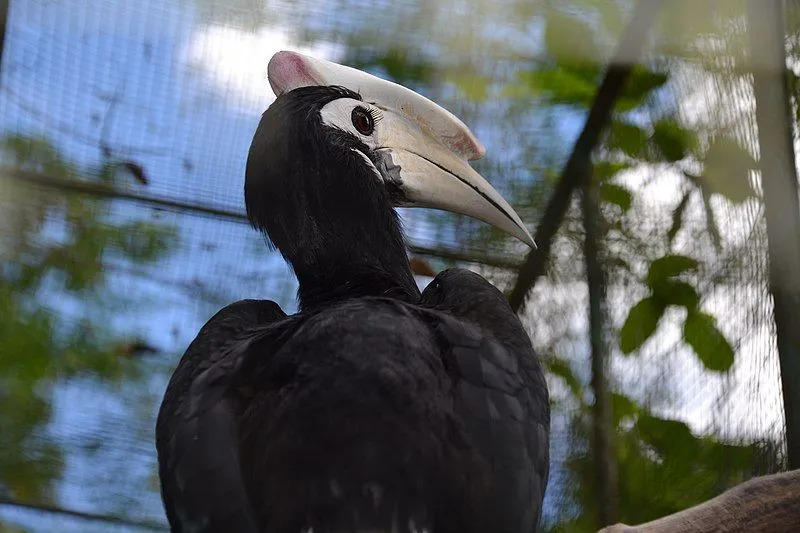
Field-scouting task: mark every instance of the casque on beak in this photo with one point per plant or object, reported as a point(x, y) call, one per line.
point(422, 148)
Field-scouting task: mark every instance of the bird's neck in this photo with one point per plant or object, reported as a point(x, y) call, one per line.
point(351, 282)
point(357, 261)
point(327, 212)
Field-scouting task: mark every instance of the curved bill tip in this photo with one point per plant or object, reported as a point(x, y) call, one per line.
point(527, 238)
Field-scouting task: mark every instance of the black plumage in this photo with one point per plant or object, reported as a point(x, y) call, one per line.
point(375, 408)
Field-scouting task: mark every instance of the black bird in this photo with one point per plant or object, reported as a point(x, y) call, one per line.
point(375, 408)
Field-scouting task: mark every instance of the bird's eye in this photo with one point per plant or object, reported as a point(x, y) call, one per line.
point(363, 121)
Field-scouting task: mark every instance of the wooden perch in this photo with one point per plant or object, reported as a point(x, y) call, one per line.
point(768, 504)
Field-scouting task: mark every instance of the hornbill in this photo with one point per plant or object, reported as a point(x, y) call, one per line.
point(375, 407)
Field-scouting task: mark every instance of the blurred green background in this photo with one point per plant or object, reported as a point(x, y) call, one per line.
point(124, 129)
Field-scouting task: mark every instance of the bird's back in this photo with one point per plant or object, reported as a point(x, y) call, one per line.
point(357, 429)
point(377, 415)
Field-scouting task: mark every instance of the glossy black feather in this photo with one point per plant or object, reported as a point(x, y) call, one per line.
point(196, 430)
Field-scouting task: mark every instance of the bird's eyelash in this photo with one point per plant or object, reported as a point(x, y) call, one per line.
point(376, 114)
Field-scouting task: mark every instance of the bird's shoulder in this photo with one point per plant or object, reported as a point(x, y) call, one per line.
point(501, 395)
point(221, 343)
point(489, 344)
point(196, 429)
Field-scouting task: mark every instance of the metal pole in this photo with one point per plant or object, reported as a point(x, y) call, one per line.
point(779, 182)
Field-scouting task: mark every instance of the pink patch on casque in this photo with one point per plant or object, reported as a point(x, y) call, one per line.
point(465, 143)
point(287, 71)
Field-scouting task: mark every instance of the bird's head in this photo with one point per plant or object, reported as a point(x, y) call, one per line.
point(339, 148)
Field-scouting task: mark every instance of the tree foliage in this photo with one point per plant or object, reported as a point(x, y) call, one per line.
point(54, 248)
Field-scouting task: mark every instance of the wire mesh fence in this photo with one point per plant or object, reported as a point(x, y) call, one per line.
point(125, 129)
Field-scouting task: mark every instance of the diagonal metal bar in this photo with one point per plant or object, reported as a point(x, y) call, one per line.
point(627, 54)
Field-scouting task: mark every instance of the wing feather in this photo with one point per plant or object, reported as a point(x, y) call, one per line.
point(196, 431)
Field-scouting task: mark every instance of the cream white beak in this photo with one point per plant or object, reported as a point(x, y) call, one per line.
point(423, 147)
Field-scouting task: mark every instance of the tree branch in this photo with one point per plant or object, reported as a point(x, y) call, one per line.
point(768, 504)
point(627, 54)
point(104, 190)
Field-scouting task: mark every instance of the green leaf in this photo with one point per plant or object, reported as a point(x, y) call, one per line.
point(664, 434)
point(727, 170)
point(402, 67)
point(677, 217)
point(629, 138)
point(569, 39)
point(641, 323)
point(672, 140)
point(143, 241)
point(616, 194)
point(604, 170)
point(641, 83)
point(612, 17)
point(473, 86)
point(561, 368)
point(561, 85)
point(680, 293)
point(622, 407)
point(701, 333)
point(669, 266)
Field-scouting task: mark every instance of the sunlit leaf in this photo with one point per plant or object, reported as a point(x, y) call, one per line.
point(641, 84)
point(673, 141)
point(679, 293)
point(629, 138)
point(612, 17)
point(642, 321)
point(687, 21)
point(665, 434)
point(474, 87)
point(603, 170)
point(569, 39)
point(623, 406)
point(669, 266)
point(616, 194)
point(398, 63)
point(560, 85)
point(562, 369)
point(143, 241)
point(34, 153)
point(712, 348)
point(727, 170)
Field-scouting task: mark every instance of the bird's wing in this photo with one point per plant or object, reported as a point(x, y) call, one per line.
point(196, 433)
point(502, 400)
